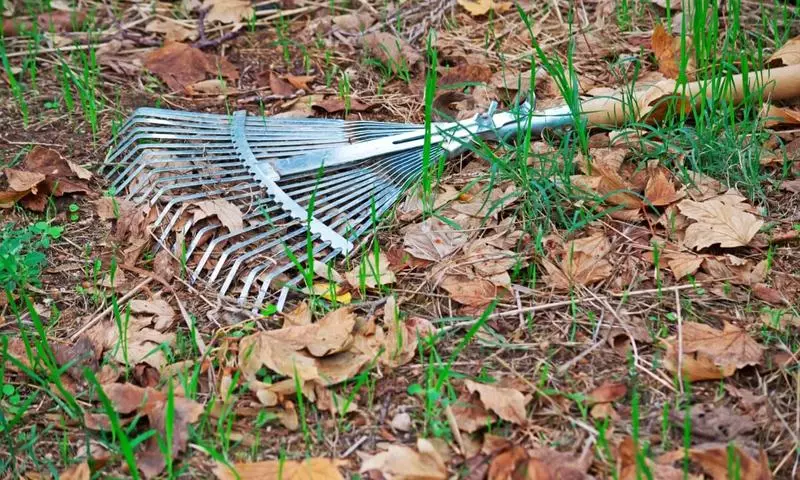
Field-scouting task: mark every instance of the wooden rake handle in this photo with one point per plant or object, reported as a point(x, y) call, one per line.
point(650, 103)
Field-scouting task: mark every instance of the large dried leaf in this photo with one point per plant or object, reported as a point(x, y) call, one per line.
point(395, 52)
point(308, 469)
point(80, 471)
point(720, 220)
point(354, 22)
point(400, 340)
point(482, 7)
point(788, 54)
point(508, 403)
point(723, 461)
point(630, 458)
point(401, 462)
point(471, 416)
point(780, 116)
point(539, 463)
point(433, 239)
point(667, 50)
point(172, 30)
point(683, 264)
point(260, 349)
point(371, 272)
point(22, 181)
point(228, 214)
point(228, 11)
point(474, 292)
point(180, 65)
point(660, 191)
point(582, 263)
point(709, 353)
point(333, 333)
point(602, 176)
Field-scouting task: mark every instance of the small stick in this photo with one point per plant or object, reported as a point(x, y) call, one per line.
point(105, 312)
point(680, 340)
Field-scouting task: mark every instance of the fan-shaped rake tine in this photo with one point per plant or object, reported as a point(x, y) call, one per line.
point(153, 177)
point(259, 203)
point(164, 190)
point(227, 252)
point(272, 275)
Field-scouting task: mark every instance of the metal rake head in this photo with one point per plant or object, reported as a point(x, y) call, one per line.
point(292, 206)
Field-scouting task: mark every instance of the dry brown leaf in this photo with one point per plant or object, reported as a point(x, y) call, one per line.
point(22, 181)
point(539, 464)
point(433, 239)
point(371, 272)
point(710, 354)
point(475, 292)
point(412, 206)
point(791, 185)
point(299, 82)
point(338, 104)
point(683, 264)
point(481, 7)
point(508, 403)
point(660, 191)
point(788, 54)
point(262, 349)
point(212, 86)
point(607, 392)
point(300, 316)
point(172, 30)
point(629, 459)
point(396, 53)
point(602, 175)
point(180, 65)
point(308, 469)
point(778, 116)
point(582, 262)
point(280, 86)
point(471, 416)
point(354, 22)
point(780, 321)
point(715, 459)
point(334, 333)
point(128, 398)
point(228, 11)
point(720, 220)
point(667, 51)
point(401, 462)
point(768, 294)
point(400, 340)
point(228, 214)
point(80, 471)
point(488, 260)
point(466, 73)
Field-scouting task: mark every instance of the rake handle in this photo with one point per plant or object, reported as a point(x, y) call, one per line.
point(778, 84)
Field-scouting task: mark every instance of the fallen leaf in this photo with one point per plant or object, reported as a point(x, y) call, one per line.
point(791, 185)
point(113, 208)
point(212, 86)
point(57, 21)
point(477, 8)
point(354, 22)
point(710, 354)
point(788, 54)
point(433, 239)
point(508, 403)
point(582, 262)
point(400, 341)
point(778, 116)
point(371, 272)
point(471, 416)
point(683, 264)
point(300, 82)
point(764, 292)
point(180, 65)
point(338, 104)
point(668, 52)
point(334, 403)
point(539, 463)
point(630, 461)
point(333, 333)
point(228, 214)
point(602, 175)
point(300, 316)
point(716, 422)
point(308, 469)
point(228, 11)
point(720, 220)
point(402, 462)
point(780, 321)
point(401, 422)
point(23, 181)
point(465, 73)
point(394, 52)
point(660, 191)
point(474, 292)
point(607, 392)
point(280, 86)
point(722, 461)
point(80, 471)
point(412, 205)
point(173, 31)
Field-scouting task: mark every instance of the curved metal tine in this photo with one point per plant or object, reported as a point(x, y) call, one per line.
point(213, 181)
point(111, 159)
point(262, 291)
point(213, 226)
point(158, 115)
point(182, 200)
point(271, 233)
point(152, 175)
point(145, 154)
point(130, 174)
point(243, 175)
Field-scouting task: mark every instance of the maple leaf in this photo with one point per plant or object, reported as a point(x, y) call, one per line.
point(471, 416)
point(433, 239)
point(180, 65)
point(788, 54)
point(778, 116)
point(228, 11)
point(308, 469)
point(228, 214)
point(720, 220)
point(477, 8)
point(507, 403)
point(709, 353)
point(660, 191)
point(399, 461)
point(582, 262)
point(371, 272)
point(607, 392)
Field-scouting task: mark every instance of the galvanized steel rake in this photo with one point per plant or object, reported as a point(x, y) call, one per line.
point(304, 186)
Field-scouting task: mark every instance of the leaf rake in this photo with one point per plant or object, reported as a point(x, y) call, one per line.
point(307, 189)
